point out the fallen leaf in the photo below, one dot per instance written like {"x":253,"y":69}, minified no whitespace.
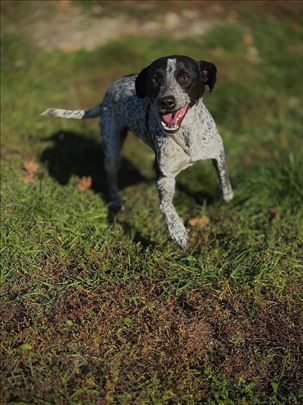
{"x":28,"y":178}
{"x":248,"y":38}
{"x":68,"y":47}
{"x":84,"y":183}
{"x":272,"y":214}
{"x":63,"y":5}
{"x":31,"y":167}
{"x":296,"y":27}
{"x":199,"y":222}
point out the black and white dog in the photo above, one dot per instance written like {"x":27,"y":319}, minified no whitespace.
{"x":163,"y":106}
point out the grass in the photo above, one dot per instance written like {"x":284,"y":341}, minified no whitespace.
{"x":99,"y":312}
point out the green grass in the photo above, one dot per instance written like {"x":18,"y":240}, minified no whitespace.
{"x":115,"y":312}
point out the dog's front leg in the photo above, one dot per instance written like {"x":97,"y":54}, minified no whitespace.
{"x":221,"y":169}
{"x":176,"y":228}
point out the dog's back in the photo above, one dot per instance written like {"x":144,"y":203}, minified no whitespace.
{"x":121,"y":104}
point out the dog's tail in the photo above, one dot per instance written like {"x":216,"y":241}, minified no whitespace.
{"x":75,"y":114}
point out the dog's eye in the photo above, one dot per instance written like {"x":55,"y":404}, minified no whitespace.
{"x":184,"y":77}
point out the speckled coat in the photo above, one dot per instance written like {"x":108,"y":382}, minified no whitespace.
{"x":195,"y":139}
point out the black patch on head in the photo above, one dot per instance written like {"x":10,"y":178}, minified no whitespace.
{"x":208,"y":73}
{"x":191,"y":75}
{"x":155,"y":77}
{"x":149,"y":80}
{"x":140,"y":83}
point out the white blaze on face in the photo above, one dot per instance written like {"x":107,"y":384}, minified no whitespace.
{"x":170,"y":86}
{"x":171,"y":67}
{"x":172,"y":120}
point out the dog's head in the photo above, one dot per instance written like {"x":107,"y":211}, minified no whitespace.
{"x":174,"y":84}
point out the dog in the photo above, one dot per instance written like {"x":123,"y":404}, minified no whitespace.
{"x":163,"y":106}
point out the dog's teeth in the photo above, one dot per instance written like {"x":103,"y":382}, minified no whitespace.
{"x":169,"y":129}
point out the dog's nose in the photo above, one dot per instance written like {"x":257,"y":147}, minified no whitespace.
{"x":168,"y":103}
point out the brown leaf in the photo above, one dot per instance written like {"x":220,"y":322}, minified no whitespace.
{"x":63,"y":5}
{"x":296,"y":27}
{"x":31,"y":167}
{"x":84,"y":183}
{"x":68,"y":47}
{"x":272,"y":214}
{"x":28,"y":178}
{"x":248,"y":38}
{"x":199,"y":222}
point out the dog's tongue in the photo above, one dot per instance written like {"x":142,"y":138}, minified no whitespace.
{"x":168,"y":118}
{"x":171,"y":119}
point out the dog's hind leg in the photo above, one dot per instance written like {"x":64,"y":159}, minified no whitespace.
{"x":113,"y":137}
{"x":221,"y":169}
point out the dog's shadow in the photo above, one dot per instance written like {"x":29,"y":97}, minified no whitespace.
{"x":74,"y":154}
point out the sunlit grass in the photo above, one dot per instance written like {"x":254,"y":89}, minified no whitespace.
{"x":98,"y":309}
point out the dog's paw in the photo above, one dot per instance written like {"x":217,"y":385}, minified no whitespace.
{"x":228,"y":195}
{"x":116,"y":206}
{"x":181,"y":237}
{"x":175,"y":226}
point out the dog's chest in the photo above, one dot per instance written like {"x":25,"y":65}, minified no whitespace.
{"x":176,"y":152}
{"x":197,"y":139}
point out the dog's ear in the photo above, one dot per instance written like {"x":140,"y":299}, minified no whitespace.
{"x":141,"y":83}
{"x":208,"y":73}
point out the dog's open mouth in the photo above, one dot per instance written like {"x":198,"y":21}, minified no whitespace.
{"x":171,"y":121}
